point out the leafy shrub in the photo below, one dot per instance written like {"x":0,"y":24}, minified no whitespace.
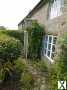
{"x":27,"y":81}
{"x":15,"y":33}
{"x":20,"y":65}
{"x":6,"y":71}
{"x":39,"y":65}
{"x":10,"y":48}
{"x":52,"y":78}
{"x":42,"y":66}
{"x":59,"y":69}
{"x":62,"y":57}
{"x":35,"y":34}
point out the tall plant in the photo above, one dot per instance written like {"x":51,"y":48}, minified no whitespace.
{"x":35,"y":34}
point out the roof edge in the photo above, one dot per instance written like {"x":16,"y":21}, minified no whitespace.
{"x":34,"y":10}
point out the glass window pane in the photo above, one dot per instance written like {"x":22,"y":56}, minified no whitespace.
{"x":46,"y":38}
{"x":49,"y":46}
{"x":54,"y":40}
{"x":45,"y":51}
{"x":48,"y":54}
{"x":45,"y":45}
{"x":53,"y":48}
{"x":55,"y":9}
{"x":52,"y":55}
{"x":50,"y":39}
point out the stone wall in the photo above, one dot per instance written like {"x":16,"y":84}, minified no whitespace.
{"x":53,"y":26}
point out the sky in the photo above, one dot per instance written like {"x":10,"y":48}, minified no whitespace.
{"x":13,"y":11}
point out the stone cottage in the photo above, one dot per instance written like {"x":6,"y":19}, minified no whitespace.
{"x":52,"y":16}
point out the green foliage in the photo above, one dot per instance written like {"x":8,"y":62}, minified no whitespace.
{"x":59,"y":69}
{"x":19,"y":68}
{"x":27,"y":81}
{"x":52,"y":78}
{"x":39,"y":65}
{"x":14,"y":33}
{"x":62,"y":59}
{"x":42,"y":66}
{"x":10,"y":48}
{"x":35,"y":34}
{"x":6,"y":71}
{"x":20,"y":65}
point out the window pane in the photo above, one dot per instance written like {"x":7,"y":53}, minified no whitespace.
{"x":48,"y":54}
{"x":50,"y":39}
{"x":56,"y":8}
{"x":45,"y":45}
{"x":45,"y":51}
{"x":54,"y":40}
{"x":53,"y":48}
{"x":49,"y":46}
{"x":52,"y":55}
{"x":46,"y":38}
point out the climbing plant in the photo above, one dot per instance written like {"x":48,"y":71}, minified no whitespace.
{"x":35,"y":35}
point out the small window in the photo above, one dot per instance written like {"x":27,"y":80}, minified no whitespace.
{"x":49,"y":46}
{"x":55,"y":8}
{"x":50,"y":38}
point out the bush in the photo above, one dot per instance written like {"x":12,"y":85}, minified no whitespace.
{"x":59,"y":69}
{"x":20,"y":65}
{"x":17,"y":34}
{"x":27,"y":81}
{"x":6,"y":71}
{"x":10,"y":48}
{"x":42,"y":66}
{"x":39,"y":65}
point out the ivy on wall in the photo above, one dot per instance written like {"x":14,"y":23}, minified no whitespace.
{"x":35,"y":35}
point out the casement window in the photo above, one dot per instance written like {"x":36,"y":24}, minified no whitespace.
{"x":49,"y":42}
{"x":56,"y":8}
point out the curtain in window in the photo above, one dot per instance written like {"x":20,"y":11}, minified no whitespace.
{"x":56,"y":9}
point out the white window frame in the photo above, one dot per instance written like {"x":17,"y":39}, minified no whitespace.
{"x":52,"y":43}
{"x":55,"y":9}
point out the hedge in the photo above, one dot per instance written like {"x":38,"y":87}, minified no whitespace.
{"x":10,"y":48}
{"x":17,"y":34}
